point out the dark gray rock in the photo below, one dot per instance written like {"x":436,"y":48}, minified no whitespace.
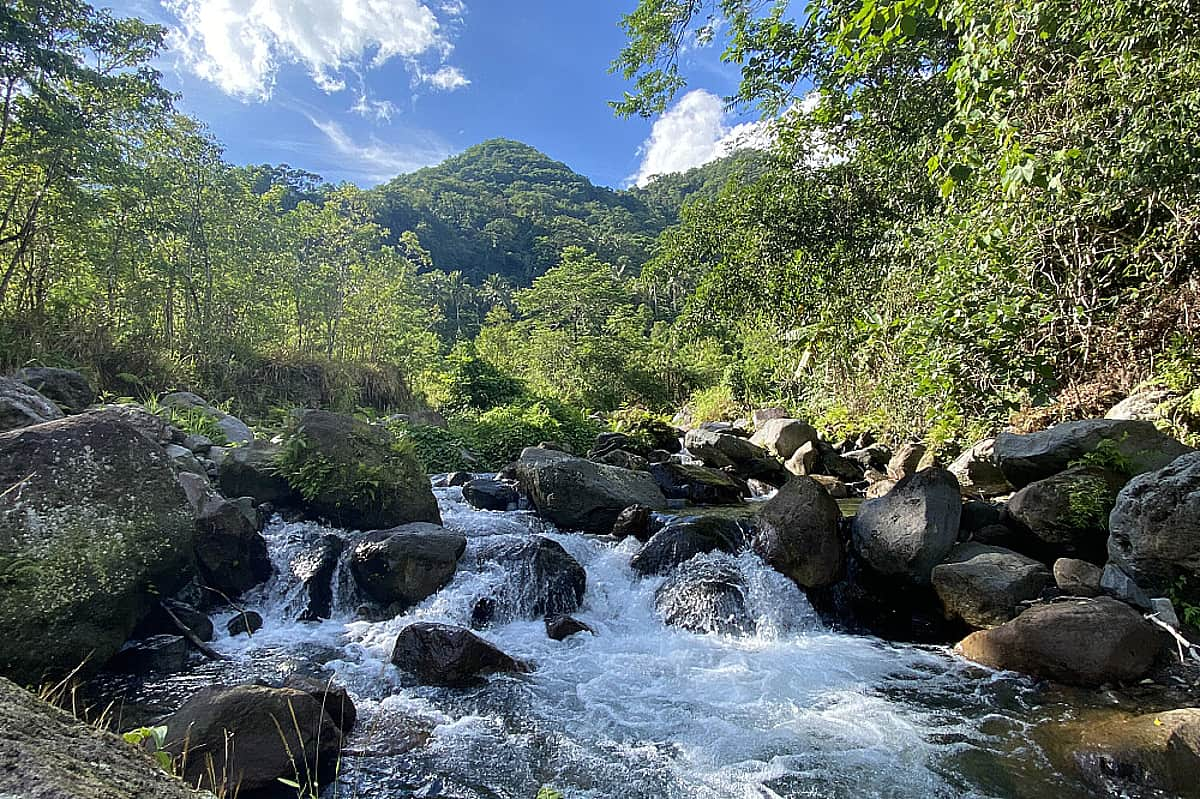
{"x":93,"y":529}
{"x":232,"y":428}
{"x":705,"y":596}
{"x":912,"y":528}
{"x":577,"y":494}
{"x":316,"y":567}
{"x":21,"y":406}
{"x":684,"y":538}
{"x":487,"y":494}
{"x":231,"y":554}
{"x":634,"y":522}
{"x":561,"y":626}
{"x":333,"y":698}
{"x":402,"y":566}
{"x":1154,"y":529}
{"x":250,"y":471}
{"x":1116,"y":583}
{"x":68,"y":389}
{"x":441,"y":654}
{"x":275,"y":733}
{"x":797,"y":533}
{"x":159,"y":653}
{"x":979,"y":473}
{"x":246,"y":622}
{"x":698,"y":485}
{"x":1067,"y":514}
{"x":543,"y":577}
{"x":782,"y":437}
{"x":985,"y":586}
{"x":724,"y":450}
{"x":1026,"y":458}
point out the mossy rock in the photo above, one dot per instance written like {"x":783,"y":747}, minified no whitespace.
{"x":356,"y":474}
{"x":94,"y":528}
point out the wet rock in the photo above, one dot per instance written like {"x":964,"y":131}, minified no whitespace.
{"x":698,"y":485}
{"x":634,"y":522}
{"x":797,"y":533}
{"x":684,"y":538}
{"x":245,"y":738}
{"x":441,"y":654}
{"x":1086,"y":642}
{"x":455,"y":479}
{"x":576,"y":494}
{"x":159,"y":653}
{"x":404,"y":565}
{"x":68,"y":389}
{"x":1157,"y":754}
{"x":905,"y":461}
{"x":333,"y":698}
{"x":544,"y":578}
{"x":250,"y":471}
{"x":488,"y":494}
{"x":49,"y":754}
{"x":705,"y":596}
{"x":1027,"y":458}
{"x":561,"y":626}
{"x":85,"y":484}
{"x":1076,"y":577}
{"x":365,"y":482}
{"x":782,"y":437}
{"x":979,"y":473}
{"x":231,"y":554}
{"x":246,"y":622}
{"x":21,"y":406}
{"x":1067,"y":514}
{"x":315,"y":567}
{"x":836,"y":465}
{"x":912,"y":528}
{"x":985,"y":586}
{"x":1154,"y":529}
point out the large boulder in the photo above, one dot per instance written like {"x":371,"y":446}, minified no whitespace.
{"x":251,"y":471}
{"x":46,"y":753}
{"x":1076,"y":577}
{"x":21,"y":406}
{"x":1085,"y":642}
{"x":1153,"y":755}
{"x":356,"y":474}
{"x":1145,"y":405}
{"x":231,"y":554}
{"x":699,"y":485}
{"x":912,"y":528}
{"x":978,"y":473}
{"x":1140,"y":445}
{"x":722,"y":450}
{"x":93,"y":529}
{"x":1067,"y":514}
{"x":576,"y":494}
{"x":333,"y":698}
{"x":404,"y":565}
{"x":234,"y":430}
{"x":705,"y":595}
{"x":1154,"y":529}
{"x":684,"y":538}
{"x":782,"y":437}
{"x":68,"y":389}
{"x":441,"y":654}
{"x":984,"y":586}
{"x":245,"y":738}
{"x":797,"y":534}
{"x":544,"y":578}
{"x":488,"y":494}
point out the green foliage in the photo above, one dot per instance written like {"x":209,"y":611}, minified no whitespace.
{"x":438,"y":449}
{"x":365,"y":475}
{"x":649,"y":430}
{"x":152,"y":739}
{"x":714,"y":404}
{"x":474,"y":384}
{"x":1089,"y":502}
{"x":546,"y":792}
{"x":1187,"y":601}
{"x":1107,"y":455}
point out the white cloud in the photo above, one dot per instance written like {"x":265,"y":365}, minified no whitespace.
{"x":693,"y":132}
{"x":370,"y":108}
{"x":447,"y":79}
{"x":240,"y":44}
{"x":375,"y":161}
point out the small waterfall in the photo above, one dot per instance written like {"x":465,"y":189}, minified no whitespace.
{"x":639,"y":709}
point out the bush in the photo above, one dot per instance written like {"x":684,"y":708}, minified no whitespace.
{"x":438,"y":449}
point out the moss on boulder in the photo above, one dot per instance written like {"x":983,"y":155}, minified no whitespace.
{"x":93,"y":529}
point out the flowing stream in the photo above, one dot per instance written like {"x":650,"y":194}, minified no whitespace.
{"x":640,"y":709}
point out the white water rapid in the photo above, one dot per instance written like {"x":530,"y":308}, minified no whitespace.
{"x":641,"y":709}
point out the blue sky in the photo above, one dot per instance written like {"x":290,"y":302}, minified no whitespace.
{"x":362,"y":90}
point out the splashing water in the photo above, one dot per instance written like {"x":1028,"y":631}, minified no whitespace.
{"x":640,"y":709}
